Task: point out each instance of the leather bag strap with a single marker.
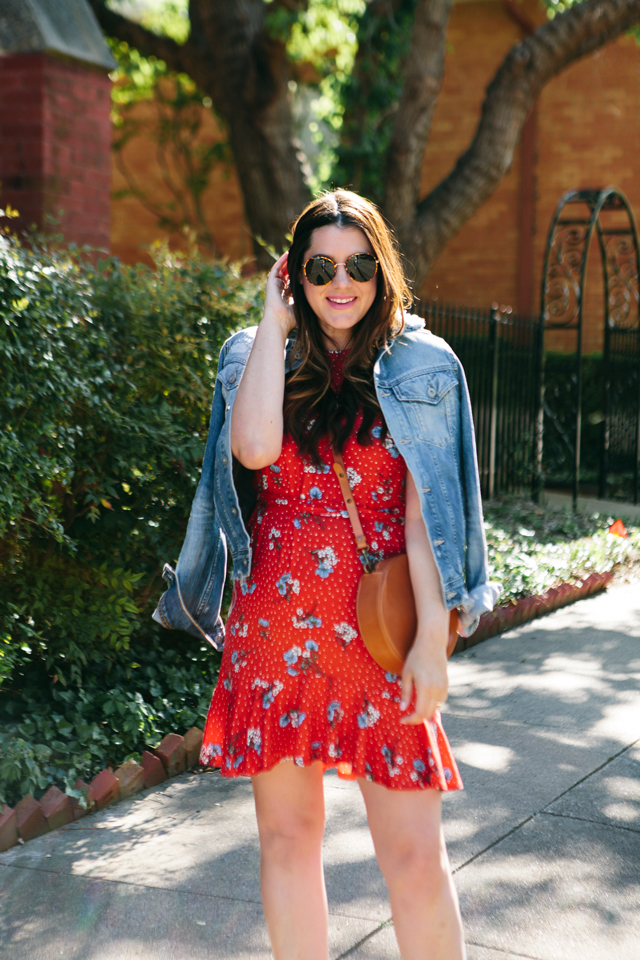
(347, 493)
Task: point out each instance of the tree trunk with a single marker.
(412, 121)
(530, 65)
(244, 70)
(233, 59)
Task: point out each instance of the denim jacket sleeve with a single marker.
(481, 592)
(192, 602)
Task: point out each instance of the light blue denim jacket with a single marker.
(423, 395)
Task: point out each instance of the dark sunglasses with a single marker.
(361, 267)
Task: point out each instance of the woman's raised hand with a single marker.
(277, 300)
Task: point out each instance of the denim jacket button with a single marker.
(224, 461)
(232, 378)
(431, 391)
(234, 511)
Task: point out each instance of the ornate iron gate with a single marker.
(579, 214)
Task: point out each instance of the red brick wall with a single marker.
(55, 137)
(588, 135)
(135, 226)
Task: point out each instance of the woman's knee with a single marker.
(416, 862)
(290, 811)
(290, 832)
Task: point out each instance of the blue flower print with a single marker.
(305, 620)
(209, 751)
(447, 774)
(326, 559)
(391, 677)
(392, 760)
(315, 493)
(377, 432)
(275, 468)
(296, 522)
(264, 626)
(419, 774)
(294, 717)
(310, 645)
(271, 690)
(369, 716)
(391, 448)
(290, 657)
(247, 586)
(287, 586)
(254, 740)
(238, 761)
(335, 713)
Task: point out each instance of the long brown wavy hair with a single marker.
(312, 411)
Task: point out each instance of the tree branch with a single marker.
(146, 41)
(528, 67)
(412, 121)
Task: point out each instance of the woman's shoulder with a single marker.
(238, 347)
(415, 350)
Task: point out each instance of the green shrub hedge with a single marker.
(107, 377)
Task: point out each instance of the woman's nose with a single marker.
(342, 278)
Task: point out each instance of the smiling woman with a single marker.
(336, 368)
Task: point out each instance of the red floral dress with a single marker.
(296, 680)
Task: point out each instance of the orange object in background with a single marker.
(618, 528)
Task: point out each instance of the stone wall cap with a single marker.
(67, 27)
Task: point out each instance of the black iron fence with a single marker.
(525, 404)
(500, 353)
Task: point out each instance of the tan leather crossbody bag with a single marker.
(385, 605)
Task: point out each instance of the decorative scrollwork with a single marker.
(622, 278)
(561, 304)
(561, 415)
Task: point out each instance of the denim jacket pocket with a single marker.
(229, 375)
(424, 400)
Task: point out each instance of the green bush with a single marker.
(107, 378)
(532, 548)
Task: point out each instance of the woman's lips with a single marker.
(340, 303)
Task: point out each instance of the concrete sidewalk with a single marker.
(545, 840)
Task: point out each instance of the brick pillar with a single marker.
(55, 143)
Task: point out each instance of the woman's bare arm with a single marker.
(257, 421)
(426, 668)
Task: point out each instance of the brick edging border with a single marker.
(30, 818)
(516, 612)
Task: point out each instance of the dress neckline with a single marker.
(336, 363)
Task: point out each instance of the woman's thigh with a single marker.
(290, 803)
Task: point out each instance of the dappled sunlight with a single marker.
(485, 756)
(513, 896)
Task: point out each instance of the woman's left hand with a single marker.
(425, 674)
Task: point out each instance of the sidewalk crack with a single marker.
(544, 809)
(356, 946)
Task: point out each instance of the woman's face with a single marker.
(341, 304)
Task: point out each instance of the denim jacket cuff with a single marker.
(482, 598)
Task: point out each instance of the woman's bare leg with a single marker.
(407, 834)
(290, 811)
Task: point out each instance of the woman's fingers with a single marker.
(430, 693)
(277, 298)
(407, 689)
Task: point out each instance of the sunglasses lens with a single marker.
(361, 267)
(319, 271)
